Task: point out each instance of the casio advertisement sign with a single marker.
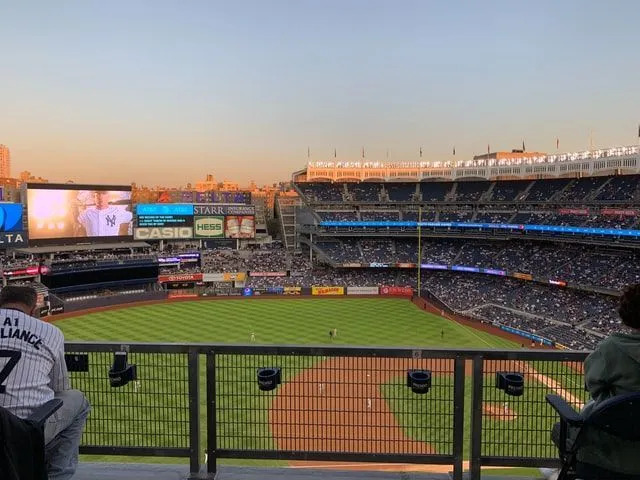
(208, 227)
(165, 233)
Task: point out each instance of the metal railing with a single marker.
(331, 404)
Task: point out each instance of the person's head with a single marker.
(101, 199)
(20, 298)
(629, 308)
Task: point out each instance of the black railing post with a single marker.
(476, 418)
(194, 413)
(458, 417)
(211, 414)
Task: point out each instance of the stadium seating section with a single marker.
(571, 300)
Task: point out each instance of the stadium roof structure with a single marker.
(609, 161)
(80, 248)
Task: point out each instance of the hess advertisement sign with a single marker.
(208, 227)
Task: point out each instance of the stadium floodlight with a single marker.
(512, 383)
(419, 381)
(121, 372)
(268, 378)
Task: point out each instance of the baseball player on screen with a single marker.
(103, 219)
(32, 372)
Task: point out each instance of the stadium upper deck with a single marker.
(610, 161)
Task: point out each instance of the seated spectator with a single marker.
(613, 369)
(39, 375)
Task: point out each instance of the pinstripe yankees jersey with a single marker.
(32, 366)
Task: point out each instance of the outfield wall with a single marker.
(114, 300)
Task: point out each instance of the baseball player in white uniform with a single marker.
(103, 220)
(32, 372)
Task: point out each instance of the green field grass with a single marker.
(372, 322)
(365, 322)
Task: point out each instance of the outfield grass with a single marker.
(366, 322)
(372, 322)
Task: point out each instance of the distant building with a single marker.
(207, 185)
(27, 177)
(229, 186)
(5, 162)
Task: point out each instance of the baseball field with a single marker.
(372, 411)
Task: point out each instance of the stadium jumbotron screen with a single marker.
(63, 213)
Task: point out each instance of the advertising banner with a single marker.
(11, 217)
(362, 290)
(396, 291)
(163, 233)
(433, 266)
(182, 295)
(406, 265)
(491, 271)
(239, 226)
(56, 310)
(619, 212)
(327, 290)
(530, 336)
(181, 209)
(267, 274)
(224, 277)
(292, 290)
(224, 210)
(463, 268)
(23, 272)
(13, 240)
(169, 260)
(573, 211)
(215, 243)
(247, 292)
(181, 277)
(352, 265)
(615, 232)
(522, 276)
(275, 290)
(208, 227)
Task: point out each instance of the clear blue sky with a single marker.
(163, 92)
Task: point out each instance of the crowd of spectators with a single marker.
(617, 188)
(584, 265)
(506, 201)
(576, 319)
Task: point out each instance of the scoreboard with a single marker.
(194, 221)
(165, 221)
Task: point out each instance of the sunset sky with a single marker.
(164, 92)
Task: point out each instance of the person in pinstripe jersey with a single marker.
(33, 371)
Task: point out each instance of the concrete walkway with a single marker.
(112, 471)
